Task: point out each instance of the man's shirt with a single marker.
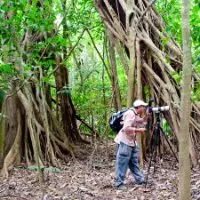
(131, 121)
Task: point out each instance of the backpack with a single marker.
(115, 120)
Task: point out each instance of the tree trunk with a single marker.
(114, 76)
(131, 36)
(140, 137)
(64, 108)
(3, 122)
(184, 136)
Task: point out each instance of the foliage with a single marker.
(170, 11)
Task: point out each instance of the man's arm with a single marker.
(128, 127)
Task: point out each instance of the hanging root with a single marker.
(13, 154)
(42, 144)
(156, 53)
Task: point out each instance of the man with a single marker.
(134, 122)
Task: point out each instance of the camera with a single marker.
(158, 109)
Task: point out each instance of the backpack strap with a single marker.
(128, 110)
(133, 110)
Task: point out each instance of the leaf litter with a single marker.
(90, 176)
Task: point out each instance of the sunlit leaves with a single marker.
(177, 76)
(6, 68)
(34, 19)
(6, 71)
(83, 14)
(195, 94)
(170, 11)
(195, 23)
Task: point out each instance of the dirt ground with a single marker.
(90, 176)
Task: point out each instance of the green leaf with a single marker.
(165, 40)
(34, 167)
(177, 76)
(6, 68)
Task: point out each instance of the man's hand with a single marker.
(140, 130)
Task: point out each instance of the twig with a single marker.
(98, 52)
(72, 49)
(53, 36)
(111, 102)
(81, 120)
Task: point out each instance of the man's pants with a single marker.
(127, 156)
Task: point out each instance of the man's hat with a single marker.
(138, 103)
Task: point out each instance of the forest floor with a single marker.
(90, 176)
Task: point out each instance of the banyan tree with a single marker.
(37, 128)
(154, 57)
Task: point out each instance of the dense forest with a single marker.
(67, 66)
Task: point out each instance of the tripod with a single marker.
(156, 142)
